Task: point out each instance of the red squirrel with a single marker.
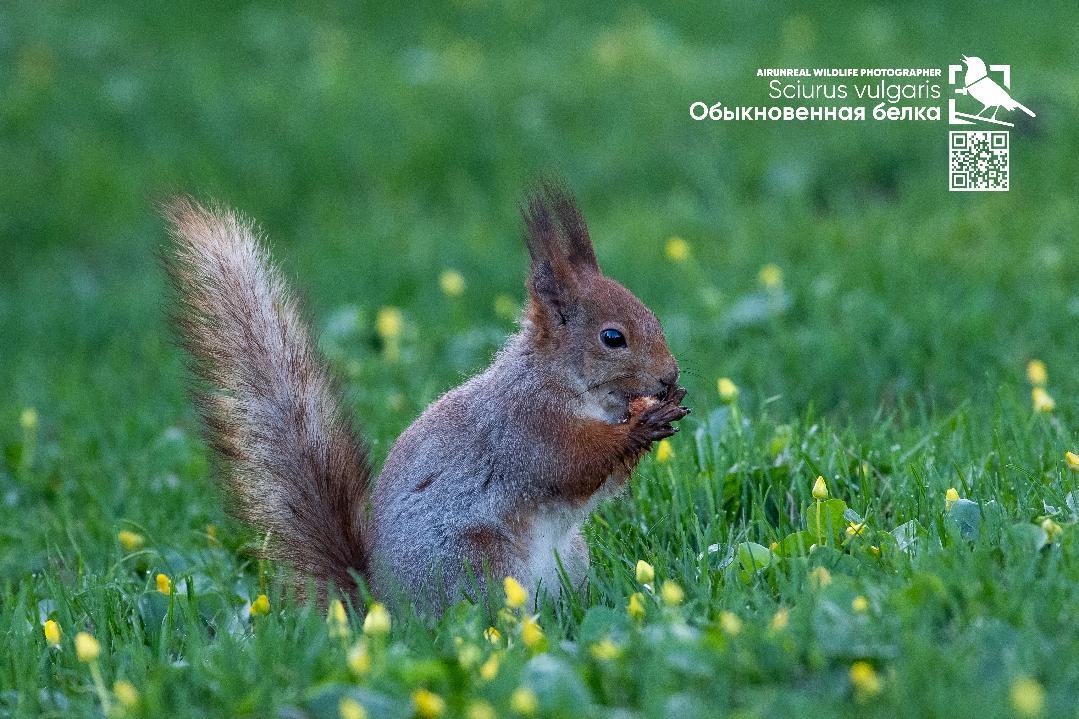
(493, 479)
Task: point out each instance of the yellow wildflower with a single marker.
(664, 451)
(606, 650)
(489, 669)
(771, 276)
(950, 498)
(377, 621)
(860, 604)
(211, 532)
(730, 623)
(524, 701)
(337, 620)
(452, 283)
(677, 249)
(349, 708)
(728, 390)
(780, 619)
(1036, 373)
(516, 595)
(774, 546)
(1073, 461)
(855, 528)
(821, 577)
(820, 489)
(260, 607)
(427, 704)
(163, 584)
(358, 658)
(1041, 400)
(646, 573)
(130, 540)
(28, 419)
(126, 693)
(52, 633)
(875, 551)
(480, 709)
(864, 679)
(532, 633)
(672, 593)
(1028, 697)
(492, 635)
(87, 649)
(635, 609)
(388, 323)
(1052, 529)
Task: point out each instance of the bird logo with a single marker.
(979, 86)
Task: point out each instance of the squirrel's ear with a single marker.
(560, 248)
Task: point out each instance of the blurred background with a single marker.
(380, 145)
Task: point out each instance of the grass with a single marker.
(379, 148)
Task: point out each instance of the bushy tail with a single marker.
(293, 466)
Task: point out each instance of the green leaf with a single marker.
(967, 516)
(754, 557)
(831, 524)
(1029, 535)
(796, 544)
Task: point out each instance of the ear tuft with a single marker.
(556, 230)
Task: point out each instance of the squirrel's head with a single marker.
(607, 345)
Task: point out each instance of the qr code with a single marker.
(977, 161)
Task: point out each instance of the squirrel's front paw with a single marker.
(651, 418)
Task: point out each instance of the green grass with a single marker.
(379, 147)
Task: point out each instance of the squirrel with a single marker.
(494, 479)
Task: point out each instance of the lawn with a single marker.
(877, 328)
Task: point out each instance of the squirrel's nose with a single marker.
(671, 378)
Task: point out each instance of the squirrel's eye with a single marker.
(612, 338)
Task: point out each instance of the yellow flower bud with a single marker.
(728, 390)
(1052, 529)
(480, 709)
(950, 498)
(130, 540)
(672, 593)
(427, 704)
(349, 708)
(492, 635)
(126, 693)
(87, 649)
(864, 679)
(875, 551)
(606, 650)
(260, 607)
(820, 577)
(855, 528)
(388, 323)
(730, 623)
(524, 701)
(163, 584)
(532, 633)
(636, 608)
(452, 283)
(1072, 460)
(1028, 697)
(780, 619)
(677, 249)
(1036, 373)
(860, 604)
(28, 419)
(1041, 400)
(774, 546)
(771, 276)
(377, 621)
(516, 595)
(646, 574)
(489, 669)
(337, 620)
(358, 658)
(820, 489)
(664, 451)
(52, 633)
